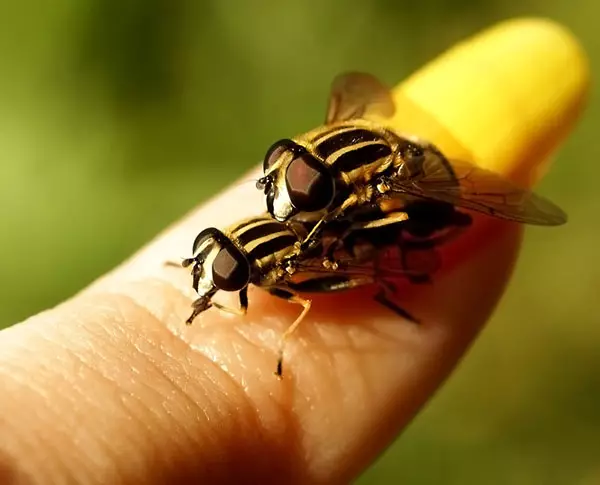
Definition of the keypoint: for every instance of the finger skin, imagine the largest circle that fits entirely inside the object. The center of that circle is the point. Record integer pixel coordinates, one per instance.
(112, 387)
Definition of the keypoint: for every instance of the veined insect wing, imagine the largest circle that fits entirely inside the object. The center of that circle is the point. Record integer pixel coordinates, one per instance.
(358, 95)
(390, 262)
(469, 186)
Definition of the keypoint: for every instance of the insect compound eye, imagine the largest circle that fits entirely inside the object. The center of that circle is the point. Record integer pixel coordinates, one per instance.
(278, 148)
(231, 271)
(310, 185)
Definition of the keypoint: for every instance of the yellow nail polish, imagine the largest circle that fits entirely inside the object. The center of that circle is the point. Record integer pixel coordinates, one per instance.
(506, 98)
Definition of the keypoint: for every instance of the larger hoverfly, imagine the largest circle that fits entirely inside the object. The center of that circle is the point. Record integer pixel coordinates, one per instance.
(353, 161)
(254, 251)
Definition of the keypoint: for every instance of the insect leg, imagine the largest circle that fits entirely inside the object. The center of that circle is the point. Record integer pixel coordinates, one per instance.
(381, 297)
(315, 231)
(390, 225)
(199, 305)
(387, 289)
(242, 310)
(330, 284)
(290, 297)
(243, 295)
(336, 283)
(346, 239)
(388, 219)
(415, 270)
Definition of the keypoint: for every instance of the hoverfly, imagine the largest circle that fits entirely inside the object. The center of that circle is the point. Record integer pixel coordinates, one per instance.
(254, 250)
(353, 160)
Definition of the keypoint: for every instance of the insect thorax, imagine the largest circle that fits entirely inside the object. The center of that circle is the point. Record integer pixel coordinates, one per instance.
(354, 151)
(266, 243)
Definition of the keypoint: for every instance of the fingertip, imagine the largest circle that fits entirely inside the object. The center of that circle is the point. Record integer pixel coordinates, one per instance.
(507, 96)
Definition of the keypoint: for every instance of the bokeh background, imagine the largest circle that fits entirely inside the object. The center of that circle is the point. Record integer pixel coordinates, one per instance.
(116, 118)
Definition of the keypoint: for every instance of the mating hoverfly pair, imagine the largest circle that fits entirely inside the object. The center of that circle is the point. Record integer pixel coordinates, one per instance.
(349, 203)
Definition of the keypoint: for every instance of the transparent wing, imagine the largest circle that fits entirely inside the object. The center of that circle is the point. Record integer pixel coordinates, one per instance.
(358, 95)
(466, 185)
(391, 263)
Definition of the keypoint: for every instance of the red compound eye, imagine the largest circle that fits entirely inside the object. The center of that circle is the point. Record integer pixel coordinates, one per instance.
(231, 271)
(310, 185)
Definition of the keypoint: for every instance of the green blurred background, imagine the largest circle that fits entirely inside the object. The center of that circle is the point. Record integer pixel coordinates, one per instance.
(113, 114)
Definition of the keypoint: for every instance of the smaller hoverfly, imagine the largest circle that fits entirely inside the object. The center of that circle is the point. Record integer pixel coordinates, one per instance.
(353, 160)
(254, 251)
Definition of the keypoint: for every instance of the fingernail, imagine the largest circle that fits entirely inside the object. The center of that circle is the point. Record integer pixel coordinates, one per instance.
(507, 97)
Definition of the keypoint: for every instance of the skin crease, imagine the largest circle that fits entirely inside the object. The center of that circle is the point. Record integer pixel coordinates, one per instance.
(112, 387)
